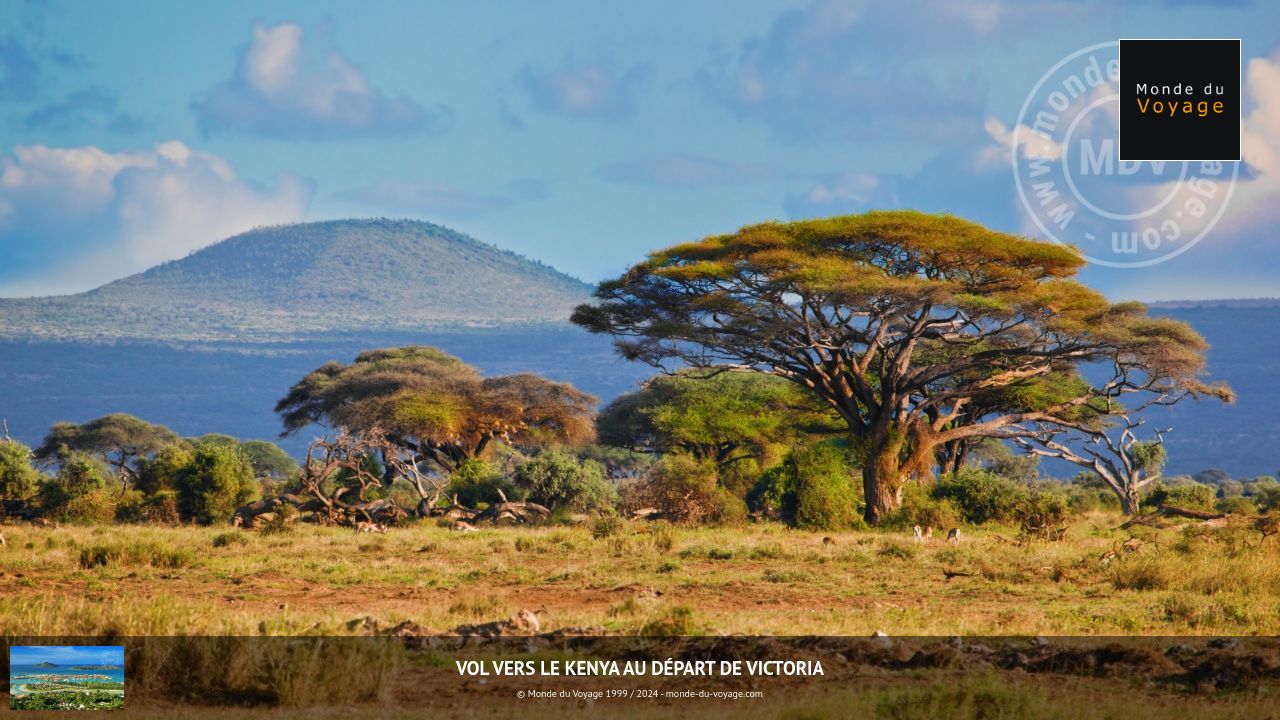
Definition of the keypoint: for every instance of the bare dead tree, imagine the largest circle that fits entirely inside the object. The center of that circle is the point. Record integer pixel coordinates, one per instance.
(1124, 462)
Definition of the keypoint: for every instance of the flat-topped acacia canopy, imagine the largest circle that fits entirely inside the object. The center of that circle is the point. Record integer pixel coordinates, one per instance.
(922, 331)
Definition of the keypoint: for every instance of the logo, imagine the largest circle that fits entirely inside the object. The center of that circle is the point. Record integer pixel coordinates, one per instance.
(1180, 100)
(1077, 189)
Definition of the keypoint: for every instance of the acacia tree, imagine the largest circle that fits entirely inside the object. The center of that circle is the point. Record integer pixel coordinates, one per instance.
(119, 439)
(724, 418)
(434, 410)
(902, 322)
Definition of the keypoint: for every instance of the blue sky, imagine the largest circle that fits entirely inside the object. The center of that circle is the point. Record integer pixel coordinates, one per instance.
(67, 654)
(579, 133)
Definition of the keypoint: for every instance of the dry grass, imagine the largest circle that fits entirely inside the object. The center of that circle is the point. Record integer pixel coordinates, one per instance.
(758, 579)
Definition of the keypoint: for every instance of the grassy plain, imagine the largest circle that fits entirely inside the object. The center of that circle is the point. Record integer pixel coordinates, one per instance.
(758, 579)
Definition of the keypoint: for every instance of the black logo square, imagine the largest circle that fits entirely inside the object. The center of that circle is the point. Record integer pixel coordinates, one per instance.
(1179, 99)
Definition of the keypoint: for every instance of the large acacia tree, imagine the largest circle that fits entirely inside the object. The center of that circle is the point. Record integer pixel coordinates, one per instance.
(434, 410)
(919, 330)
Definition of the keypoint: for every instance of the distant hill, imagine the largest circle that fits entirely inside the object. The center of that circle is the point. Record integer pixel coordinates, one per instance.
(290, 281)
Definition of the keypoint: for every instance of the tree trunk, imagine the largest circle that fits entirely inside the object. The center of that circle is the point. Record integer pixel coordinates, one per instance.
(882, 476)
(1129, 501)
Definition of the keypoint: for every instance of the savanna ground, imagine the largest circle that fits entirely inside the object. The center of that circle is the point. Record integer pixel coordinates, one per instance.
(760, 579)
(631, 579)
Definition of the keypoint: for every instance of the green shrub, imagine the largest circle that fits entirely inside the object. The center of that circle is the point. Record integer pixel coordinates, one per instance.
(814, 488)
(679, 487)
(79, 492)
(160, 473)
(920, 507)
(93, 507)
(218, 480)
(981, 496)
(729, 509)
(557, 479)
(1266, 495)
(476, 481)
(136, 552)
(1236, 505)
(227, 539)
(18, 480)
(1042, 514)
(607, 526)
(1192, 496)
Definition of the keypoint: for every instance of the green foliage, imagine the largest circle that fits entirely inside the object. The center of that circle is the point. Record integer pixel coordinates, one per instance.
(995, 455)
(1193, 496)
(431, 403)
(1236, 505)
(118, 438)
(218, 480)
(607, 526)
(160, 472)
(270, 460)
(18, 479)
(684, 490)
(920, 507)
(1042, 514)
(555, 478)
(729, 419)
(813, 488)
(292, 281)
(980, 495)
(79, 492)
(477, 481)
(1266, 495)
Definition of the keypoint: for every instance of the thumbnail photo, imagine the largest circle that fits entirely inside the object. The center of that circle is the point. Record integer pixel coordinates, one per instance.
(66, 677)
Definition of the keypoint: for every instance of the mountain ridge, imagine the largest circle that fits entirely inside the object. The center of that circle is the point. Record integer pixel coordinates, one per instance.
(289, 281)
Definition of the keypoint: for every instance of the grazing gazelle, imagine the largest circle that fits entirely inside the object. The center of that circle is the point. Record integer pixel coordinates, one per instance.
(953, 536)
(463, 526)
(368, 527)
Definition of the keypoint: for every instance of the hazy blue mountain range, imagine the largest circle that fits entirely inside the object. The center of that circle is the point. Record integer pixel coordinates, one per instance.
(291, 281)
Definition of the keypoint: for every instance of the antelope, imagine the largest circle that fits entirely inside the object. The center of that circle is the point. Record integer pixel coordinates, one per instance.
(928, 532)
(917, 534)
(461, 526)
(368, 527)
(3, 542)
(953, 536)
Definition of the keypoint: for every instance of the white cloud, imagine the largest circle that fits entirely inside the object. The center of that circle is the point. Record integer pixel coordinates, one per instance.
(74, 218)
(584, 90)
(285, 87)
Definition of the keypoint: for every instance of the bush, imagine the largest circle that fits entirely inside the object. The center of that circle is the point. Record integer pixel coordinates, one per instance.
(1266, 495)
(678, 487)
(557, 479)
(1236, 505)
(920, 507)
(93, 507)
(607, 526)
(18, 480)
(813, 488)
(160, 473)
(1042, 514)
(218, 480)
(981, 496)
(79, 492)
(476, 481)
(137, 552)
(1192, 496)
